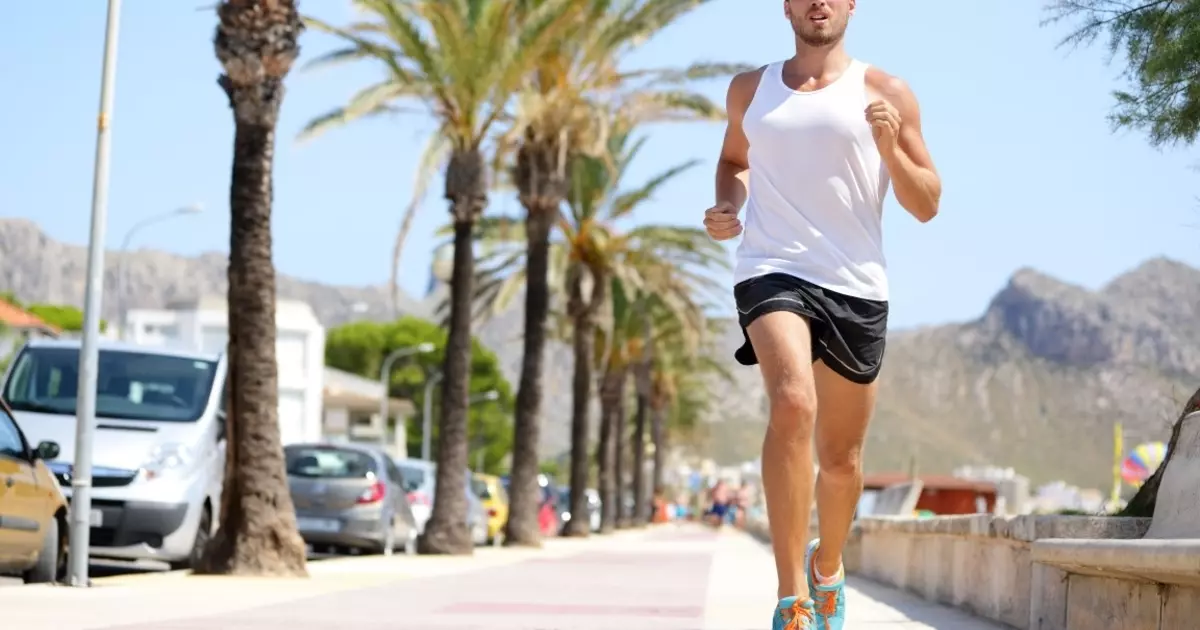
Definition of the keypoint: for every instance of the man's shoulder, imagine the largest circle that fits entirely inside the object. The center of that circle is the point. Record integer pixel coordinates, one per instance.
(886, 84)
(746, 83)
(742, 88)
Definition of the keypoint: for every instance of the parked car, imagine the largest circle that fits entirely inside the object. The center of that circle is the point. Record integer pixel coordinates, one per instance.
(420, 478)
(477, 515)
(159, 443)
(494, 497)
(33, 510)
(349, 496)
(421, 484)
(549, 513)
(593, 507)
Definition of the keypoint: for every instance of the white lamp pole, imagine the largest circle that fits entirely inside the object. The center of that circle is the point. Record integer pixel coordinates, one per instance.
(123, 268)
(89, 354)
(385, 372)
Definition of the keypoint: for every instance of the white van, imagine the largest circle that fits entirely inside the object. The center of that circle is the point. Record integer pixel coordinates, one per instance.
(159, 449)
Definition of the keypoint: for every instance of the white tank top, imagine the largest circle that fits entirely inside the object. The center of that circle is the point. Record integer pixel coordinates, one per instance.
(817, 186)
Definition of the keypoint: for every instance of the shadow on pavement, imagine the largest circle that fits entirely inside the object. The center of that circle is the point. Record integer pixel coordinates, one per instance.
(917, 609)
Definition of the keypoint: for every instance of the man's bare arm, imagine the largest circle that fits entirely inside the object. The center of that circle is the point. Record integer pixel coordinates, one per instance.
(733, 167)
(915, 180)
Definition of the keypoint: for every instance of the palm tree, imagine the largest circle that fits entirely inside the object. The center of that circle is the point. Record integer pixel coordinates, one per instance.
(651, 259)
(618, 346)
(256, 43)
(681, 371)
(560, 116)
(463, 59)
(586, 255)
(672, 343)
(622, 342)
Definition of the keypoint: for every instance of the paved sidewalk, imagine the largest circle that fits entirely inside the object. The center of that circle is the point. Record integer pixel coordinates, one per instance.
(666, 578)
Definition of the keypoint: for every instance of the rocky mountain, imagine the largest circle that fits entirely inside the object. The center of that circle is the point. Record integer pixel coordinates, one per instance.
(1036, 383)
(1039, 380)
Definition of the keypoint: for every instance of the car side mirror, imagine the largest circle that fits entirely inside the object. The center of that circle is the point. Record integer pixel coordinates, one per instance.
(46, 451)
(221, 426)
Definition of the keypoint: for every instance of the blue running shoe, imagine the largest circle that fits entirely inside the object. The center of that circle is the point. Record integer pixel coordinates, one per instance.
(829, 600)
(793, 613)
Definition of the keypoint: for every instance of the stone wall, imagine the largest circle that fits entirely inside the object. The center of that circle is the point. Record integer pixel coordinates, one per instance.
(851, 555)
(979, 563)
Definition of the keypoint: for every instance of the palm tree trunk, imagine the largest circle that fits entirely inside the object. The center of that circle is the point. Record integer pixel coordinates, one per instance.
(257, 534)
(638, 448)
(658, 437)
(583, 315)
(446, 532)
(1144, 502)
(580, 406)
(610, 399)
(256, 43)
(620, 427)
(525, 494)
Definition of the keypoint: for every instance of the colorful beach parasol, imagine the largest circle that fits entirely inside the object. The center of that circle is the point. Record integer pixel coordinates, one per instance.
(1142, 461)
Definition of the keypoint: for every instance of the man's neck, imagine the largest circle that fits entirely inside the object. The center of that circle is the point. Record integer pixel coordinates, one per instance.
(819, 61)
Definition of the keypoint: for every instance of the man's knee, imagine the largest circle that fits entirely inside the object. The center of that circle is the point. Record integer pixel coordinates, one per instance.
(793, 409)
(840, 461)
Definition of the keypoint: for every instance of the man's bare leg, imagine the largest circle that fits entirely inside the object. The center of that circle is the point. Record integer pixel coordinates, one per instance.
(782, 342)
(841, 428)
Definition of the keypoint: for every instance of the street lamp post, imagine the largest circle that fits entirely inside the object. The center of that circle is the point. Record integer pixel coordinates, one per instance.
(89, 354)
(123, 268)
(427, 411)
(384, 372)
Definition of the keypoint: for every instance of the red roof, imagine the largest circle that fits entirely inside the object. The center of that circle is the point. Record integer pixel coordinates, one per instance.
(931, 482)
(16, 317)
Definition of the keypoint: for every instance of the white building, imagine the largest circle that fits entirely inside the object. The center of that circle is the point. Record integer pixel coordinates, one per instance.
(299, 348)
(352, 406)
(1012, 489)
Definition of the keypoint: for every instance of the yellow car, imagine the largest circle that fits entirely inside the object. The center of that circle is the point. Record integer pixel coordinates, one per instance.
(491, 493)
(33, 511)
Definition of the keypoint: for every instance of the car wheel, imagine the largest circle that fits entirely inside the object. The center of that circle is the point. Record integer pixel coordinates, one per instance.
(203, 535)
(49, 559)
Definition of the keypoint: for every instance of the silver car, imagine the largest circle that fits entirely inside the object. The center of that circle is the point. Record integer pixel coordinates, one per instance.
(420, 481)
(349, 496)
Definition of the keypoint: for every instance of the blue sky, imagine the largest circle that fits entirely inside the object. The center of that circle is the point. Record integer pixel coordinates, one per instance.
(1033, 174)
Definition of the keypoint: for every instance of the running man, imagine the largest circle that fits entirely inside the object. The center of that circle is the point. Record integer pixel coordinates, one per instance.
(811, 147)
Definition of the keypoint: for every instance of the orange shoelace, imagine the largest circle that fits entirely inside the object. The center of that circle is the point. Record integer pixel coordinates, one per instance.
(799, 613)
(826, 603)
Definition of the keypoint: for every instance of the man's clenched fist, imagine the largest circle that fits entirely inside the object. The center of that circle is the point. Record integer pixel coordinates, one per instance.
(721, 222)
(885, 123)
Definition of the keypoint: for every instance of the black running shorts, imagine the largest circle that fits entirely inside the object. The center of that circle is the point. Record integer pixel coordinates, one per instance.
(848, 333)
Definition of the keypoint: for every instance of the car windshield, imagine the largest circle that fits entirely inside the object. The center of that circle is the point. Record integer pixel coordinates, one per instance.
(480, 488)
(129, 385)
(319, 462)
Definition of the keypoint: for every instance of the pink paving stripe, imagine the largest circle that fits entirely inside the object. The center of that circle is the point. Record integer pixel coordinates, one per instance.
(591, 610)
